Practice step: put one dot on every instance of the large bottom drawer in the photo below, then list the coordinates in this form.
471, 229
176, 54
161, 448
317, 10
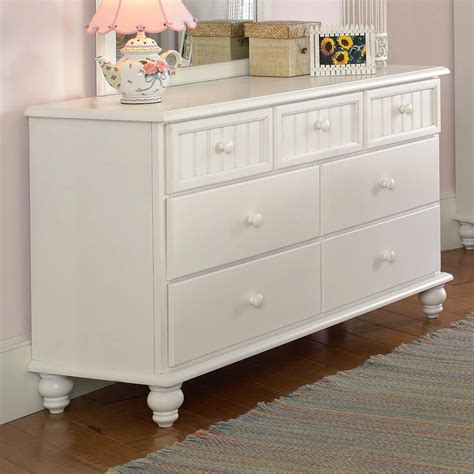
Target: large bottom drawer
218, 310
364, 262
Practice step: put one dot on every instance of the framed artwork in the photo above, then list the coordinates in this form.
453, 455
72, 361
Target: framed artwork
341, 51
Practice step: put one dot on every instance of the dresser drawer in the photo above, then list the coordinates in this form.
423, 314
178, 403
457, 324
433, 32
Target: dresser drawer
368, 261
365, 188
317, 129
223, 225
217, 149
243, 302
402, 112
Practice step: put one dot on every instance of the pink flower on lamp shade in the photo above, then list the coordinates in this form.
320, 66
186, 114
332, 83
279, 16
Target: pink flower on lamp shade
150, 68
161, 65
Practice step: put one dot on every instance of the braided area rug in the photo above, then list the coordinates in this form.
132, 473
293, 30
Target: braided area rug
410, 411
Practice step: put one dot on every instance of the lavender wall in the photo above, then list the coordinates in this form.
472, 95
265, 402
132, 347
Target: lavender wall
46, 56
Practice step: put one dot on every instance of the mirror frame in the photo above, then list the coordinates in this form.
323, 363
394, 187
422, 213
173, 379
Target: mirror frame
105, 46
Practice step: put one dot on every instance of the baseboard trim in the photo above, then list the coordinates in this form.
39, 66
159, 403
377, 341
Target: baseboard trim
19, 388
450, 238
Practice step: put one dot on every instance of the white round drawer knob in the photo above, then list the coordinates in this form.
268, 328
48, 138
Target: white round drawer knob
388, 183
227, 146
323, 125
389, 256
406, 109
255, 220
257, 300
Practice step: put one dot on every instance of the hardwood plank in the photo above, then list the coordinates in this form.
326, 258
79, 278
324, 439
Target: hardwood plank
150, 445
118, 392
197, 400
377, 333
37, 455
6, 467
415, 326
469, 285
75, 439
323, 354
237, 390
461, 293
110, 421
411, 310
336, 337
292, 366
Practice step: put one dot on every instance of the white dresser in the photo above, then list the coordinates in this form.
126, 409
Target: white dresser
170, 240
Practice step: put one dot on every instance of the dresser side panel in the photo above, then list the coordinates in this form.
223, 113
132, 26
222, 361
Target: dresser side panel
91, 244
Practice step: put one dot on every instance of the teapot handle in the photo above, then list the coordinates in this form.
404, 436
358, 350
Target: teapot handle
178, 58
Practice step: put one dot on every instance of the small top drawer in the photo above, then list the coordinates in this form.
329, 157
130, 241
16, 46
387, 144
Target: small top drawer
212, 150
402, 113
317, 129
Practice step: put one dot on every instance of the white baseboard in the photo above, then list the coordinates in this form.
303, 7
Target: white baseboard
450, 238
19, 388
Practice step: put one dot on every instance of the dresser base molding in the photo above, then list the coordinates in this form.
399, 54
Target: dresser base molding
56, 391
165, 389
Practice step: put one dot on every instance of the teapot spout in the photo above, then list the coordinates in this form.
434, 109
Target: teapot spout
111, 73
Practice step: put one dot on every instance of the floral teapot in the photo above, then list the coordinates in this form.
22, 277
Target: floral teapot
141, 75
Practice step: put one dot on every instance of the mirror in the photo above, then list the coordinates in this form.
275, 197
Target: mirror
227, 65
207, 44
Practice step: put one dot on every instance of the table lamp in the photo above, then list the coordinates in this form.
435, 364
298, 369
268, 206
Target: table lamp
141, 75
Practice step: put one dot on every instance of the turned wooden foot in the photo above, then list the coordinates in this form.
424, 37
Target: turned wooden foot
56, 391
466, 231
432, 301
165, 403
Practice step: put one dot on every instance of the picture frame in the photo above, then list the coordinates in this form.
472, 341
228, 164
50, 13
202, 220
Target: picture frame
342, 50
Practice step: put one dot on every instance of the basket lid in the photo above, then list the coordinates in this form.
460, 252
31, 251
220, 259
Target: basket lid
219, 28
280, 29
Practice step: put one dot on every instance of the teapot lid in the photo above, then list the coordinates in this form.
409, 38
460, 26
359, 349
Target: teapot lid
141, 44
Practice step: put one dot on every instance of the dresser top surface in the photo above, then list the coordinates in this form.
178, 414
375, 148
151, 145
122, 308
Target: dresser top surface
230, 95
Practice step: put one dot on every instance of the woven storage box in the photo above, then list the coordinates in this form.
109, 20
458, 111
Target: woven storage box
279, 48
218, 41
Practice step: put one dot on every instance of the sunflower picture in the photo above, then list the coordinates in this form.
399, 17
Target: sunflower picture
340, 50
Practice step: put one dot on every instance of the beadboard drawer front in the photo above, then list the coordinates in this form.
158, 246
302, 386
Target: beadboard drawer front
402, 113
365, 262
365, 188
217, 149
317, 129
242, 302
224, 225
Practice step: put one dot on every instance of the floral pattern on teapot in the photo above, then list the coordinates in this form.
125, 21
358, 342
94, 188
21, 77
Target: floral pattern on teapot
142, 75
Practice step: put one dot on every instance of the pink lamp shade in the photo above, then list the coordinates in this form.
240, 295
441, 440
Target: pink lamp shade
132, 16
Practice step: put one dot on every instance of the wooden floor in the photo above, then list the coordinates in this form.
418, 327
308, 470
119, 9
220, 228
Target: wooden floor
113, 425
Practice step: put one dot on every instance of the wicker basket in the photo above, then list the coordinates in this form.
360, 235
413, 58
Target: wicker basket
279, 48
218, 41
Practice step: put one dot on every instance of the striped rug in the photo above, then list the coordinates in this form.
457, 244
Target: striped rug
407, 412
